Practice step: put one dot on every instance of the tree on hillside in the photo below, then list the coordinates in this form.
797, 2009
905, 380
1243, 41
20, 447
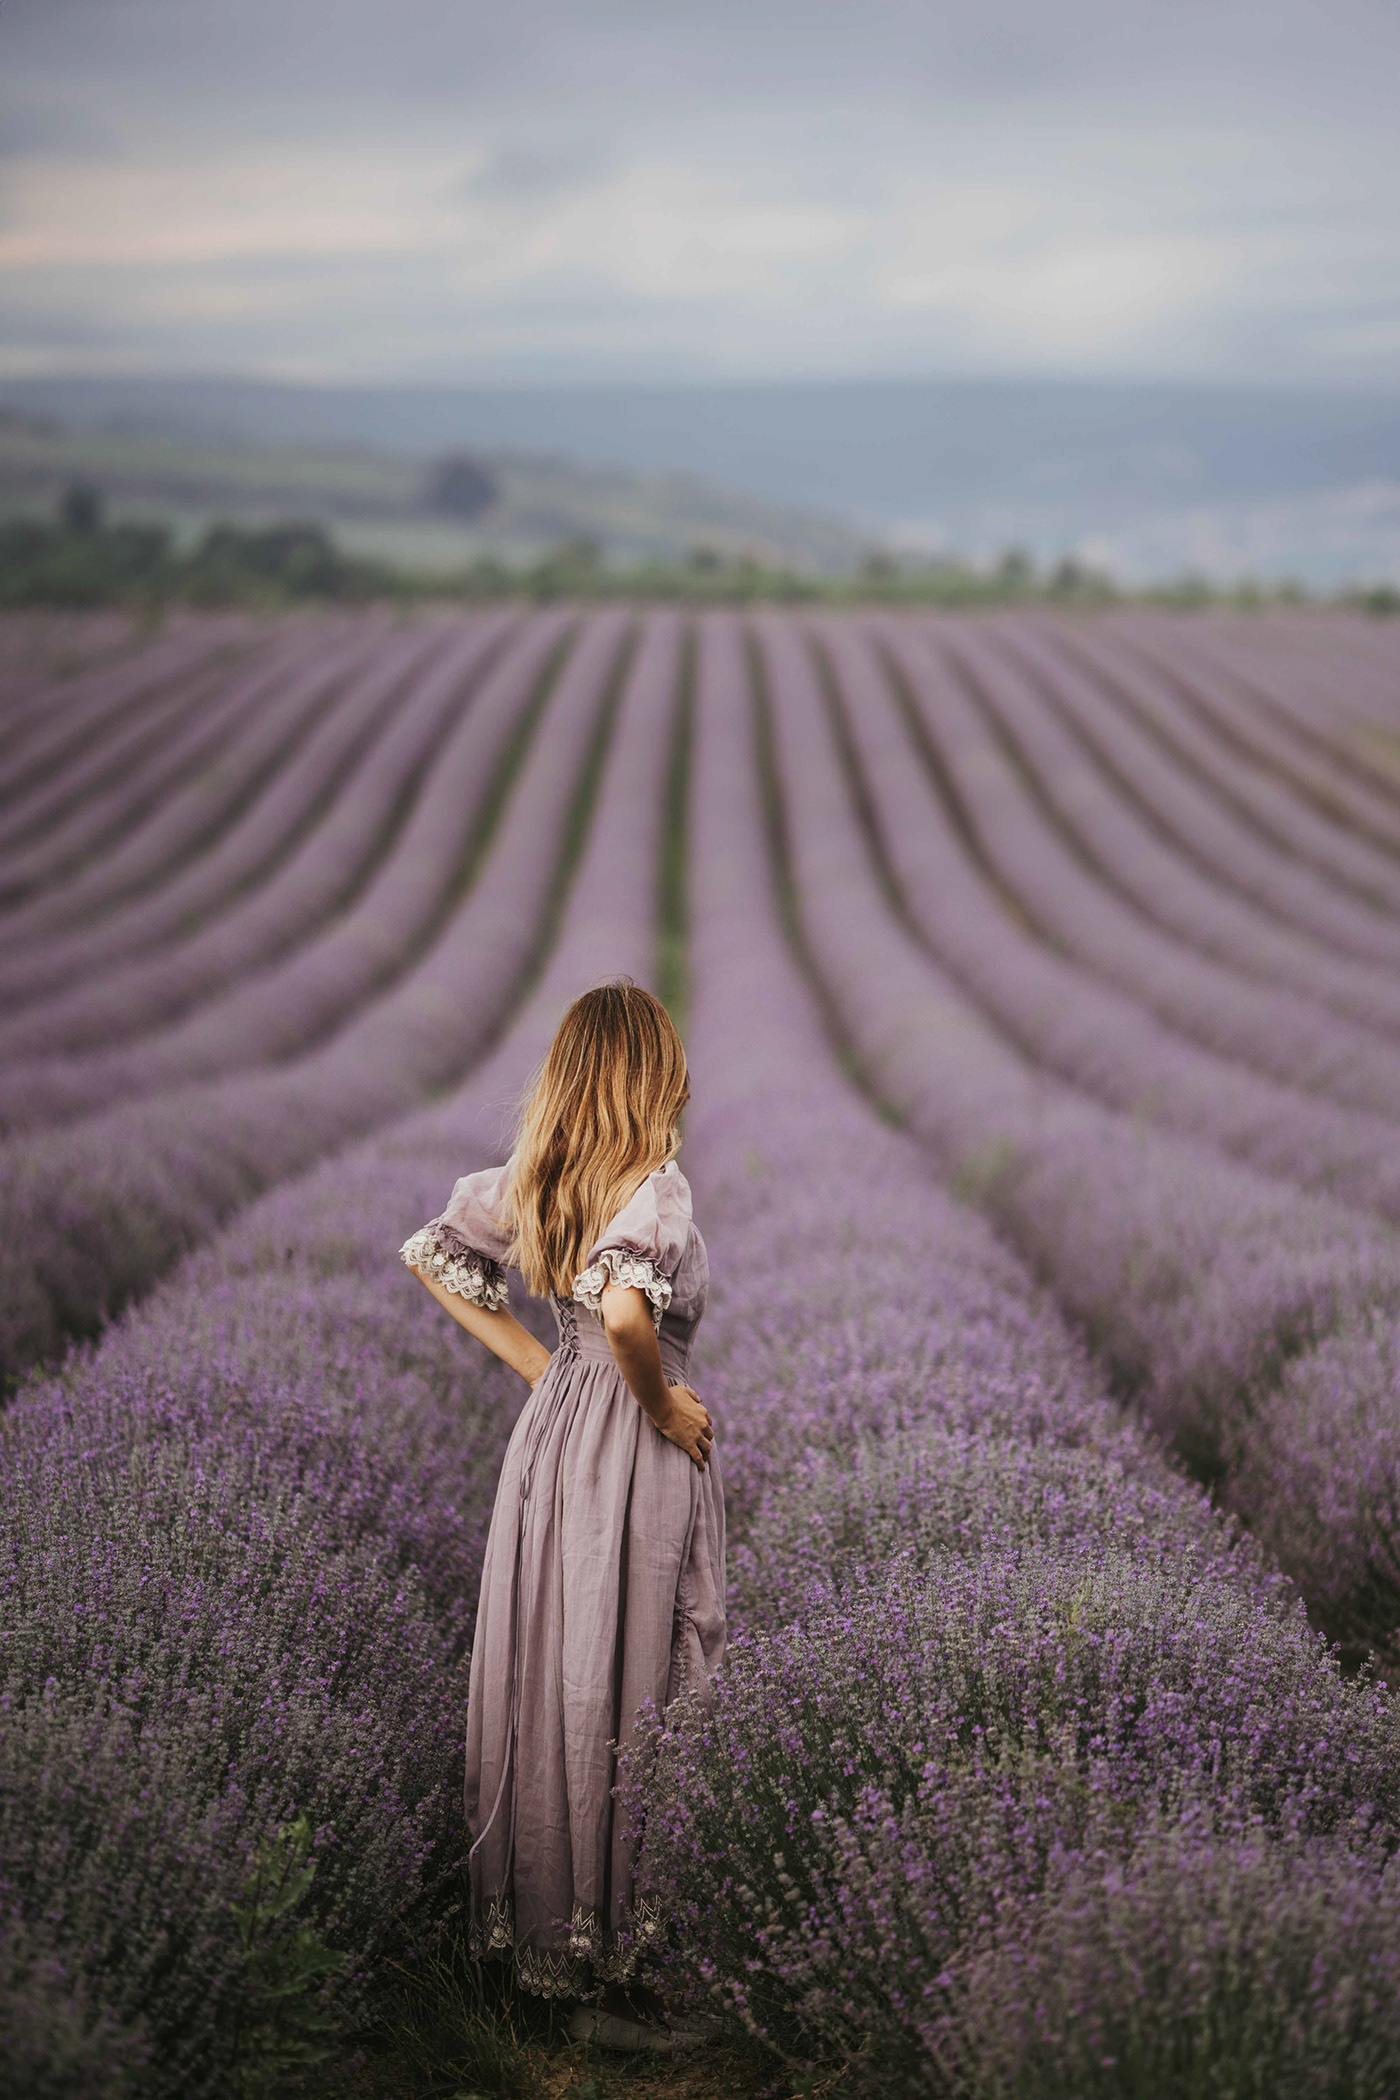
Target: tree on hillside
460, 486
81, 507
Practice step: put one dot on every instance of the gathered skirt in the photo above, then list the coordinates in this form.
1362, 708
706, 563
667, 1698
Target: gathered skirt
603, 1586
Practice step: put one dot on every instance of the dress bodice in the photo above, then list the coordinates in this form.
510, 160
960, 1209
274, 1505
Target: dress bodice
582, 1331
653, 1245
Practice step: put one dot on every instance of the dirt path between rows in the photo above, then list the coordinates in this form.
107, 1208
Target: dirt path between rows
711, 2073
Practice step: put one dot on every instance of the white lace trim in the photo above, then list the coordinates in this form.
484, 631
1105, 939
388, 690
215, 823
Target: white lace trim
443, 1254
616, 1265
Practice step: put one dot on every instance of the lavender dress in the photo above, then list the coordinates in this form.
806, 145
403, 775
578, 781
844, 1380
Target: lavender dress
604, 1581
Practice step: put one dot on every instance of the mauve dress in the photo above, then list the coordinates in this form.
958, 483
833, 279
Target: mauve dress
603, 1583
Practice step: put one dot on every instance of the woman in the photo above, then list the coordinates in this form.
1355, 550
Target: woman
604, 1576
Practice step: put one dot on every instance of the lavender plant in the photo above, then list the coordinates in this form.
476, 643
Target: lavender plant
880, 1777
1315, 1466
932, 1490
1288, 726
1225, 972
1196, 1281
98, 799
1243, 1965
52, 713
1002, 911
1022, 1758
113, 709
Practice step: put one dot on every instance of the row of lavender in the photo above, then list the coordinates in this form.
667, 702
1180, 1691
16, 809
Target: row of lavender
228, 973
1026, 966
242, 1540
48, 651
115, 748
384, 710
144, 872
1025, 1776
301, 1440
1314, 703
94, 1216
388, 1002
1294, 979
1251, 1321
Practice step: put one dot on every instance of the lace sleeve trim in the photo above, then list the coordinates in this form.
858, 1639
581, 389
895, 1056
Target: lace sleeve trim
442, 1253
616, 1265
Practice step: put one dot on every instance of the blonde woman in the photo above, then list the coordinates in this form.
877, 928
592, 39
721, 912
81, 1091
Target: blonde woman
604, 1577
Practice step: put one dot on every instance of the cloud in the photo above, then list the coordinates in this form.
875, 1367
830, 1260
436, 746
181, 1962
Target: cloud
749, 186
81, 216
526, 171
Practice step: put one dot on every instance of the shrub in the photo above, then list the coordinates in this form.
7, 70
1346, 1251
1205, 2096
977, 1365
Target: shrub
1243, 1967
877, 1778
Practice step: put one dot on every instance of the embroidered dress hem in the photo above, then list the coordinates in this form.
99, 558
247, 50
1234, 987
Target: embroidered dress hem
580, 1967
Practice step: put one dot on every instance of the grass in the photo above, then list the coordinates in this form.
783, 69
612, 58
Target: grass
672, 900
443, 2033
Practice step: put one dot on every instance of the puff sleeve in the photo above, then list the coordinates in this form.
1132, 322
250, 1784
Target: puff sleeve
464, 1248
643, 1246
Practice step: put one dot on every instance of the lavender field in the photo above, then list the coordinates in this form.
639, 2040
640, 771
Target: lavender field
1041, 981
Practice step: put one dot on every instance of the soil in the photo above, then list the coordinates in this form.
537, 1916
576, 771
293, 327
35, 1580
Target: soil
711, 2072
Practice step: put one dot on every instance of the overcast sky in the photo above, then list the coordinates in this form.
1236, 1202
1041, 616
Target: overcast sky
440, 190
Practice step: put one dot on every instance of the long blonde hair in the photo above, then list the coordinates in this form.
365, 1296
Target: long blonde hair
603, 1113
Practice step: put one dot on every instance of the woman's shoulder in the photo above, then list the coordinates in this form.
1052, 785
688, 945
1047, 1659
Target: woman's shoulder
656, 1216
667, 1188
669, 1178
464, 1246
488, 1186
646, 1243
478, 1208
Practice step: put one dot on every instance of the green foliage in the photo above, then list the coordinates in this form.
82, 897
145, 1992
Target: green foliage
458, 2032
90, 565
1379, 598
291, 561
460, 487
81, 507
289, 2021
81, 561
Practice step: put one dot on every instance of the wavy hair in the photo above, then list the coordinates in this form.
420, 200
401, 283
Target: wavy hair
602, 1113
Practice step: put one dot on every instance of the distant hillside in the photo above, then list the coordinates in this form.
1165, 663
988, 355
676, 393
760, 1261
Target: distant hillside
1149, 479
395, 506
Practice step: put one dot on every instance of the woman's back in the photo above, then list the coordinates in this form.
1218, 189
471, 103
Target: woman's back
603, 1585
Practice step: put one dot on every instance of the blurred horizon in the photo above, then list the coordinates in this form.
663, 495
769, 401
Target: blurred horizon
1144, 482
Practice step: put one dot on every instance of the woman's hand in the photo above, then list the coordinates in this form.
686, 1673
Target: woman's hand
687, 1423
677, 1410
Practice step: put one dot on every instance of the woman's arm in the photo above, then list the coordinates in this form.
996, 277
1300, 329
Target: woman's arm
501, 1331
677, 1410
